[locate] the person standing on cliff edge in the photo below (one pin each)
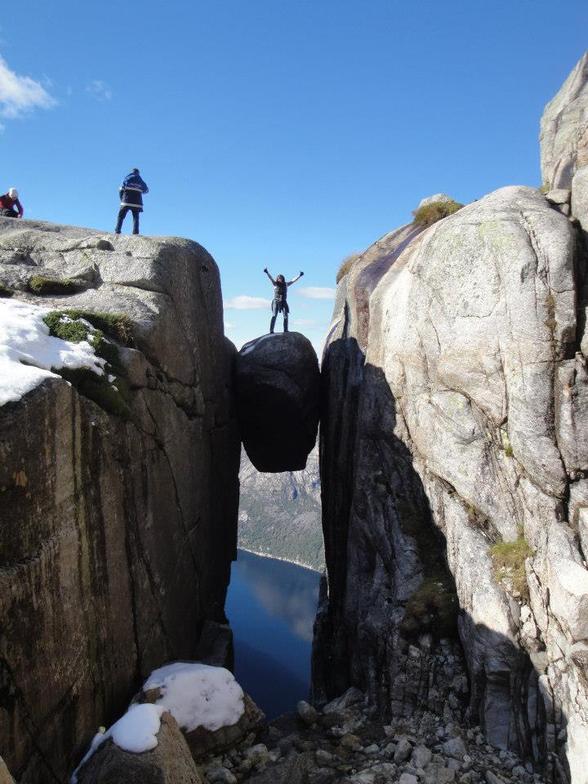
(131, 198)
(279, 302)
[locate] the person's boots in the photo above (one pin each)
(272, 325)
(285, 325)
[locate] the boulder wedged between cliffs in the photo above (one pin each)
(277, 382)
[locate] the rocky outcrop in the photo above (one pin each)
(277, 387)
(344, 742)
(462, 405)
(5, 777)
(564, 129)
(168, 763)
(117, 528)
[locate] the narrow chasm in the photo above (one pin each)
(274, 588)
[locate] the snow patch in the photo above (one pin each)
(198, 695)
(136, 732)
(28, 353)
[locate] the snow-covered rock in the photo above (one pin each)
(145, 746)
(207, 702)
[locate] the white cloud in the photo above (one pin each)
(245, 302)
(316, 292)
(99, 89)
(20, 94)
(304, 322)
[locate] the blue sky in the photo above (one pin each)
(274, 132)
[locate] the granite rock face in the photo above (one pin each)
(117, 531)
(455, 420)
(564, 129)
(277, 383)
(170, 762)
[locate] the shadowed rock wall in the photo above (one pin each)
(116, 534)
(456, 424)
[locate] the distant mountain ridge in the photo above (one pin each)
(280, 514)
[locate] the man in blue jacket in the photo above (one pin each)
(131, 198)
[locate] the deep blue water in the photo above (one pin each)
(271, 607)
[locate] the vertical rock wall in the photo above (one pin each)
(465, 443)
(116, 534)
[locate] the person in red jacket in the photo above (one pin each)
(7, 204)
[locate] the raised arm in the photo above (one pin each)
(290, 282)
(269, 276)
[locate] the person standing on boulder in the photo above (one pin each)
(279, 302)
(8, 202)
(131, 198)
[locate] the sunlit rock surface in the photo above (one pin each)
(455, 419)
(117, 532)
(564, 129)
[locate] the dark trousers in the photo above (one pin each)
(122, 214)
(279, 306)
(8, 213)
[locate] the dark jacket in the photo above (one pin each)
(6, 203)
(131, 191)
(280, 291)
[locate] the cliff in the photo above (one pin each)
(118, 492)
(453, 469)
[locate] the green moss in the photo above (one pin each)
(433, 607)
(113, 397)
(66, 328)
(435, 211)
(41, 285)
(346, 265)
(506, 445)
(98, 389)
(115, 325)
(5, 292)
(508, 560)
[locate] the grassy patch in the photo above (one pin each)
(113, 397)
(506, 445)
(5, 292)
(429, 214)
(117, 326)
(346, 265)
(545, 188)
(41, 285)
(60, 326)
(433, 607)
(508, 560)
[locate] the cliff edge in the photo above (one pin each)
(118, 485)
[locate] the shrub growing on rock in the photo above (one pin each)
(508, 560)
(432, 607)
(5, 292)
(346, 265)
(435, 211)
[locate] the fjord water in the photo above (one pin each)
(271, 607)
